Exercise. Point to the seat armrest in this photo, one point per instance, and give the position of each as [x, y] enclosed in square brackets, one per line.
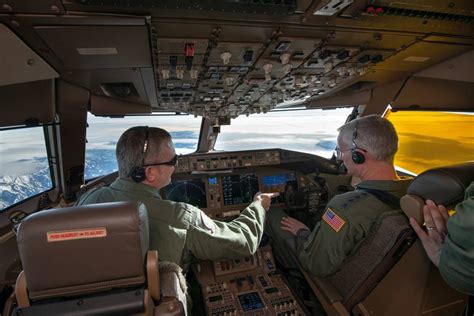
[173, 289]
[331, 294]
[153, 274]
[327, 294]
[21, 291]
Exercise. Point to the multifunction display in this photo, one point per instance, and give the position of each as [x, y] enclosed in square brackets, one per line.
[191, 191]
[239, 188]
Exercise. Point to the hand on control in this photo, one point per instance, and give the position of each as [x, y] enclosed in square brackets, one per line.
[292, 225]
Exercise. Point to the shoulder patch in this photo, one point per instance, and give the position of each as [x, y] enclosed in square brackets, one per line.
[207, 222]
[333, 220]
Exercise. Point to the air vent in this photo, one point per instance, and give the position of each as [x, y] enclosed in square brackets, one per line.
[121, 90]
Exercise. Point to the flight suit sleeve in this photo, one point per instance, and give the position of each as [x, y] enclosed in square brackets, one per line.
[282, 241]
[97, 195]
[457, 255]
[326, 248]
[212, 240]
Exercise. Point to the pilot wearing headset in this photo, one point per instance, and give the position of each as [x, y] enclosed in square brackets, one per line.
[180, 232]
[367, 147]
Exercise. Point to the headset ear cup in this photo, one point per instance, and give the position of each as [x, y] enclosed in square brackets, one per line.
[138, 174]
[357, 157]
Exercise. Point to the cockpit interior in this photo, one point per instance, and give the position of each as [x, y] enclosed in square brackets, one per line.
[252, 92]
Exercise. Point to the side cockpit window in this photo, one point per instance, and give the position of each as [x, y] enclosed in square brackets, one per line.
[24, 168]
[429, 139]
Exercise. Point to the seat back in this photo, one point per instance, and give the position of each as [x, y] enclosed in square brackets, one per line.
[445, 186]
[93, 253]
[387, 275]
[388, 239]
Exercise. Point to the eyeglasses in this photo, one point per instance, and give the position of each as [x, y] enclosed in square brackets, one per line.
[173, 162]
[338, 152]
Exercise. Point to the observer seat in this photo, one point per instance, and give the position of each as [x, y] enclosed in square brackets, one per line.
[90, 259]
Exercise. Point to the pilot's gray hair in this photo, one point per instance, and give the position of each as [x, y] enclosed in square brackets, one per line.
[130, 145]
[373, 133]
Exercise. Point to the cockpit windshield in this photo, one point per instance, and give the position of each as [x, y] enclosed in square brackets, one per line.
[311, 131]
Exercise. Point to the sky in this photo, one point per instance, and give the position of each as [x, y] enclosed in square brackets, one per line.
[18, 150]
[311, 131]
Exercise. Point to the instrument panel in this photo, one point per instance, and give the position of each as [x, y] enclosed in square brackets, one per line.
[207, 162]
[246, 286]
[225, 195]
[222, 184]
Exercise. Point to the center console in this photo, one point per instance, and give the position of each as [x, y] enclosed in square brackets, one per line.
[246, 286]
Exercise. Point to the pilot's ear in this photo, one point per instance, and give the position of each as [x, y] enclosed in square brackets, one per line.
[151, 173]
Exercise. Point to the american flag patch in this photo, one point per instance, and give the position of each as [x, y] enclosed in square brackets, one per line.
[333, 220]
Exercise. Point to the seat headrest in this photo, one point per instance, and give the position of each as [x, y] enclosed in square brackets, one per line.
[445, 185]
[82, 249]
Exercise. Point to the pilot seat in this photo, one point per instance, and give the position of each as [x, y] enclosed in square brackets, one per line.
[92, 260]
[390, 274]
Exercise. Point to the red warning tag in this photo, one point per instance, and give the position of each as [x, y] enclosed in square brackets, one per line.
[65, 235]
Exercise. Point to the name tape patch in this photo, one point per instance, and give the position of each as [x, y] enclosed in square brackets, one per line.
[65, 235]
[333, 220]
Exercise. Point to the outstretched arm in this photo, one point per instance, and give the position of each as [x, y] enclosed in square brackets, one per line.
[215, 240]
[436, 218]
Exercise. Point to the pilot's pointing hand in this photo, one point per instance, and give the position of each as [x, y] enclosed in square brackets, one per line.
[265, 199]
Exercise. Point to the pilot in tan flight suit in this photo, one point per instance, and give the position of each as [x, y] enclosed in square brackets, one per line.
[367, 147]
[179, 231]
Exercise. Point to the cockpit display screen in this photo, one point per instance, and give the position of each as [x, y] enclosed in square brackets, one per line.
[212, 181]
[278, 182]
[240, 188]
[189, 191]
[250, 301]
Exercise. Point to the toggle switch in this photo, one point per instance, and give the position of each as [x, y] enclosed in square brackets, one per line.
[285, 58]
[328, 66]
[267, 68]
[225, 56]
[194, 74]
